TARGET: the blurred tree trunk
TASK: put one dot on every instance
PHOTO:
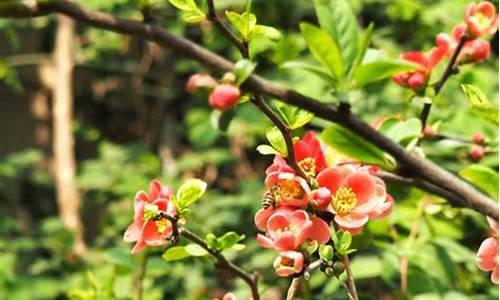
(68, 198)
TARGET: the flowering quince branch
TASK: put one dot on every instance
(420, 167)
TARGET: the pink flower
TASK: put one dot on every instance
(310, 154)
(287, 229)
(487, 254)
(481, 19)
(200, 81)
(384, 209)
(145, 230)
(279, 165)
(288, 189)
(418, 79)
(227, 296)
(356, 194)
(321, 198)
(288, 263)
(224, 97)
(475, 50)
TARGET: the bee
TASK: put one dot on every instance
(269, 199)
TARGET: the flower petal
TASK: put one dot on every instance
(320, 231)
(331, 178)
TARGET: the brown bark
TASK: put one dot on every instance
(68, 199)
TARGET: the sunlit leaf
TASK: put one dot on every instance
(378, 70)
(242, 69)
(175, 253)
(483, 177)
(277, 140)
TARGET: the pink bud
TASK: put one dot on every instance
(199, 81)
(224, 97)
(429, 131)
(479, 50)
(478, 138)
(417, 81)
(476, 152)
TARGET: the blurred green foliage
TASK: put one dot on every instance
(121, 146)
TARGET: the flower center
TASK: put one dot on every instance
(150, 211)
(289, 189)
(286, 261)
(344, 200)
(481, 19)
(162, 225)
(289, 228)
(308, 165)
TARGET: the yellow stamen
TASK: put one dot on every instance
(162, 225)
(344, 201)
(308, 165)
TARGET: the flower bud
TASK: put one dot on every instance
(478, 138)
(429, 132)
(200, 81)
(476, 152)
(224, 97)
(477, 50)
(288, 263)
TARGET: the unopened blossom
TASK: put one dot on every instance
(481, 19)
(473, 50)
(200, 81)
(356, 193)
(288, 189)
(147, 230)
(487, 254)
(478, 138)
(288, 263)
(286, 229)
(224, 97)
(476, 152)
(419, 78)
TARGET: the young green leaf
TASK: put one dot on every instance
(343, 242)
(323, 48)
(319, 71)
(378, 70)
(364, 42)
(244, 23)
(228, 240)
(293, 116)
(266, 150)
(338, 20)
(190, 191)
(480, 104)
(326, 252)
(190, 11)
(186, 5)
(195, 250)
(175, 253)
(242, 69)
(483, 177)
(193, 16)
(268, 32)
(403, 131)
(354, 146)
(277, 140)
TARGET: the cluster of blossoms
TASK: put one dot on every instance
(351, 193)
(487, 255)
(481, 21)
(147, 229)
(223, 96)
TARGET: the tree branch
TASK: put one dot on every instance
(293, 288)
(350, 279)
(420, 167)
(450, 70)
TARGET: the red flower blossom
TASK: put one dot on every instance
(487, 254)
(288, 263)
(475, 50)
(310, 154)
(418, 79)
(286, 229)
(288, 189)
(224, 97)
(145, 230)
(200, 81)
(356, 194)
(481, 19)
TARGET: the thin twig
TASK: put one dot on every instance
(311, 267)
(139, 275)
(212, 16)
(293, 288)
(285, 131)
(450, 70)
(350, 278)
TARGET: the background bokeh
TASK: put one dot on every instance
(133, 121)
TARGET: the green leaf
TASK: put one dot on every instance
(222, 120)
(354, 146)
(277, 140)
(379, 70)
(483, 177)
(186, 5)
(364, 42)
(480, 104)
(193, 16)
(191, 13)
(266, 150)
(228, 240)
(338, 20)
(195, 250)
(404, 131)
(244, 23)
(326, 252)
(323, 48)
(313, 69)
(242, 69)
(293, 116)
(268, 32)
(342, 242)
(175, 253)
(190, 191)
